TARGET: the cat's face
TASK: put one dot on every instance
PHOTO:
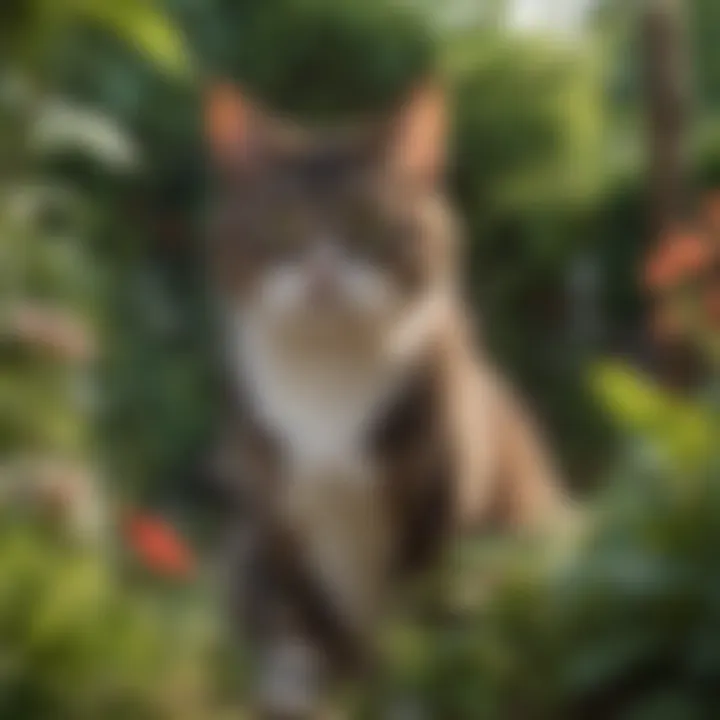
(329, 234)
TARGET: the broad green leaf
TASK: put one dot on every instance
(141, 23)
(631, 399)
(685, 431)
(73, 599)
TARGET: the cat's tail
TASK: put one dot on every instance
(518, 485)
(529, 489)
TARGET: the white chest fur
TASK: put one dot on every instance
(318, 402)
(320, 406)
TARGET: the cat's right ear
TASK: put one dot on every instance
(231, 126)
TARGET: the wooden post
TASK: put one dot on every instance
(666, 95)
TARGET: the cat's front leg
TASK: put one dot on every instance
(287, 666)
(302, 646)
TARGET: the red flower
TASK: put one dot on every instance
(679, 257)
(158, 546)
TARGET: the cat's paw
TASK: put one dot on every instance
(290, 680)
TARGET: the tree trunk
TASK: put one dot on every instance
(666, 85)
(666, 95)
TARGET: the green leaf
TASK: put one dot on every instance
(683, 430)
(631, 399)
(141, 23)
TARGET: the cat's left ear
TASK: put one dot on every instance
(228, 120)
(418, 139)
(241, 133)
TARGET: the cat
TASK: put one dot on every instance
(370, 429)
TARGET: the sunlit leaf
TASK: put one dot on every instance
(61, 127)
(684, 430)
(141, 23)
(632, 400)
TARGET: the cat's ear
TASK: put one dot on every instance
(417, 140)
(226, 115)
(235, 127)
(240, 132)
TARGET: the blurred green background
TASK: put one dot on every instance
(566, 118)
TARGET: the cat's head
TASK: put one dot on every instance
(337, 230)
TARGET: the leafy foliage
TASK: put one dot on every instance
(618, 622)
(100, 222)
(80, 637)
(79, 643)
(685, 432)
(31, 27)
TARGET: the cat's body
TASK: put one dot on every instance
(369, 428)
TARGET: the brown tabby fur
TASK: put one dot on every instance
(456, 448)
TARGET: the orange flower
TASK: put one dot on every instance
(678, 258)
(158, 546)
